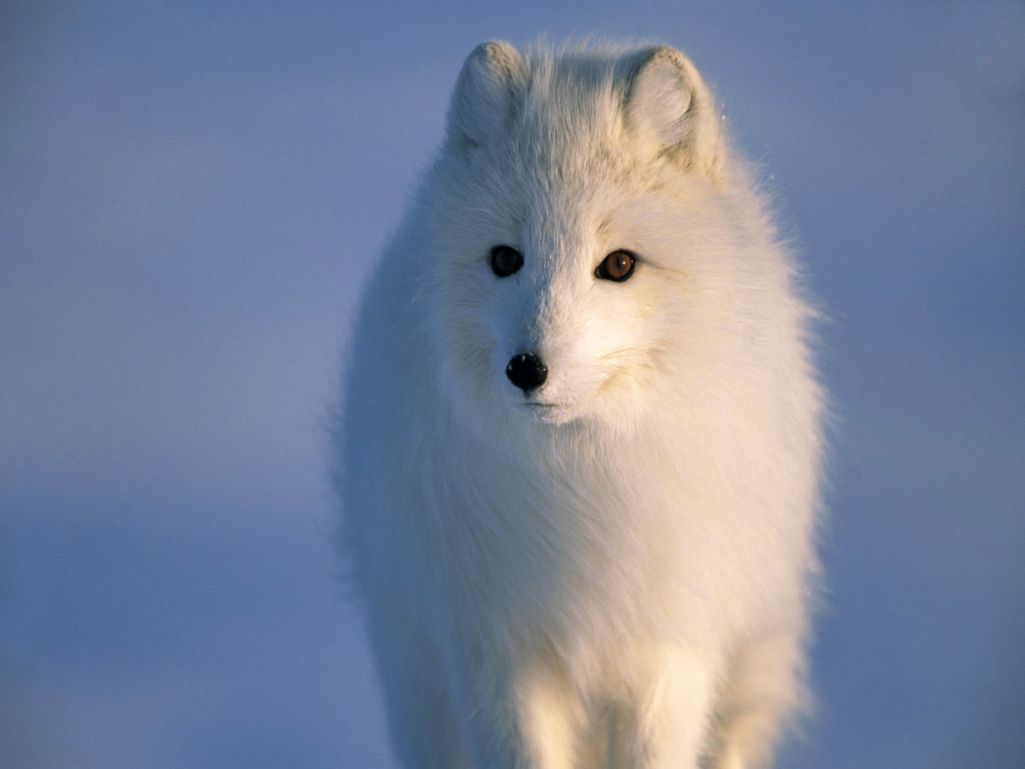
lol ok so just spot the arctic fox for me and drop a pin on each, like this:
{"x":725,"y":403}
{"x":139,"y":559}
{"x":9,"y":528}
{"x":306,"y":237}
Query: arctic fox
{"x":580,"y":447}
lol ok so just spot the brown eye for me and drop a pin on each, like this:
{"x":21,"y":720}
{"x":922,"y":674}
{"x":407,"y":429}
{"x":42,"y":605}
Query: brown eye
{"x":505,"y":260}
{"x":617,"y":266}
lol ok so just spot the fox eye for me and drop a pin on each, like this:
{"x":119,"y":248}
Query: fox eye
{"x":505,"y":260}
{"x":617,"y":266}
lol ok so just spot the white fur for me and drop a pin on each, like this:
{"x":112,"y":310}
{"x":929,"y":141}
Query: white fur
{"x":620,"y":579}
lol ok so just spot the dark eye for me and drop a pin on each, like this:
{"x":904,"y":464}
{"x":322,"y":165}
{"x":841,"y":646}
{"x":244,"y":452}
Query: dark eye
{"x":505,"y":260}
{"x":617,"y":266}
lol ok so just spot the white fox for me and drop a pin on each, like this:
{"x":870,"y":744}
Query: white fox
{"x":580,"y":448}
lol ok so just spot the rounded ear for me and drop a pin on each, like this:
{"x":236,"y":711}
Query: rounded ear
{"x":486,"y":93}
{"x":669,"y":108}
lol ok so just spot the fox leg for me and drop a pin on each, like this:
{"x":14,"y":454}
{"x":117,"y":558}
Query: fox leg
{"x":534,"y":725}
{"x":763,"y":692}
{"x":421,"y":714}
{"x":666,"y":727}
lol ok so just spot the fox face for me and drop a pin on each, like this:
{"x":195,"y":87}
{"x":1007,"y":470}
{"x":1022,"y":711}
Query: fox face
{"x":565,"y":226}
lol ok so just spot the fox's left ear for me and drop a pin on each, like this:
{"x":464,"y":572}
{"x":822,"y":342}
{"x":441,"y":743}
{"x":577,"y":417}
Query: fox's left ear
{"x":669,"y":107}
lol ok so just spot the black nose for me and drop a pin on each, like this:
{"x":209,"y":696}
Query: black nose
{"x":526,"y":371}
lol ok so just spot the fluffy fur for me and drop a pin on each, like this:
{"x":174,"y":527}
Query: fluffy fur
{"x":614,"y":570}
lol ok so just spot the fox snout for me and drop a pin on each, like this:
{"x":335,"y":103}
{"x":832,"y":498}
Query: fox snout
{"x":527,"y":371}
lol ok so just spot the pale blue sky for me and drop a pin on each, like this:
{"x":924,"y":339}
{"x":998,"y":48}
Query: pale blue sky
{"x":190,"y":196}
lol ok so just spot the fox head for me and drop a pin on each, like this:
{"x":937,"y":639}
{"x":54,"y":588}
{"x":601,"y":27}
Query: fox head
{"x":577,"y":231}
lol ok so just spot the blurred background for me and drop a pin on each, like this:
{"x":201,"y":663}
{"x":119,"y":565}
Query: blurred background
{"x":191,"y":195}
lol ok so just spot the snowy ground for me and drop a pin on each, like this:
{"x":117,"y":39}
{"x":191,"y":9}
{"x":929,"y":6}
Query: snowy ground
{"x":190,"y":196}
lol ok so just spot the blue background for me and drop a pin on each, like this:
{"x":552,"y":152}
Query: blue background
{"x":191,"y":195}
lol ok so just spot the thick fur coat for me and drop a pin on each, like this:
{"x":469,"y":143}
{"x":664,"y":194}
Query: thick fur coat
{"x":612,"y":566}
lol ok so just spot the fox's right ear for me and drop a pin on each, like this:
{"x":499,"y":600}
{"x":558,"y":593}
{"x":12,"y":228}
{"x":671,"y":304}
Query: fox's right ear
{"x":486,"y":94}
